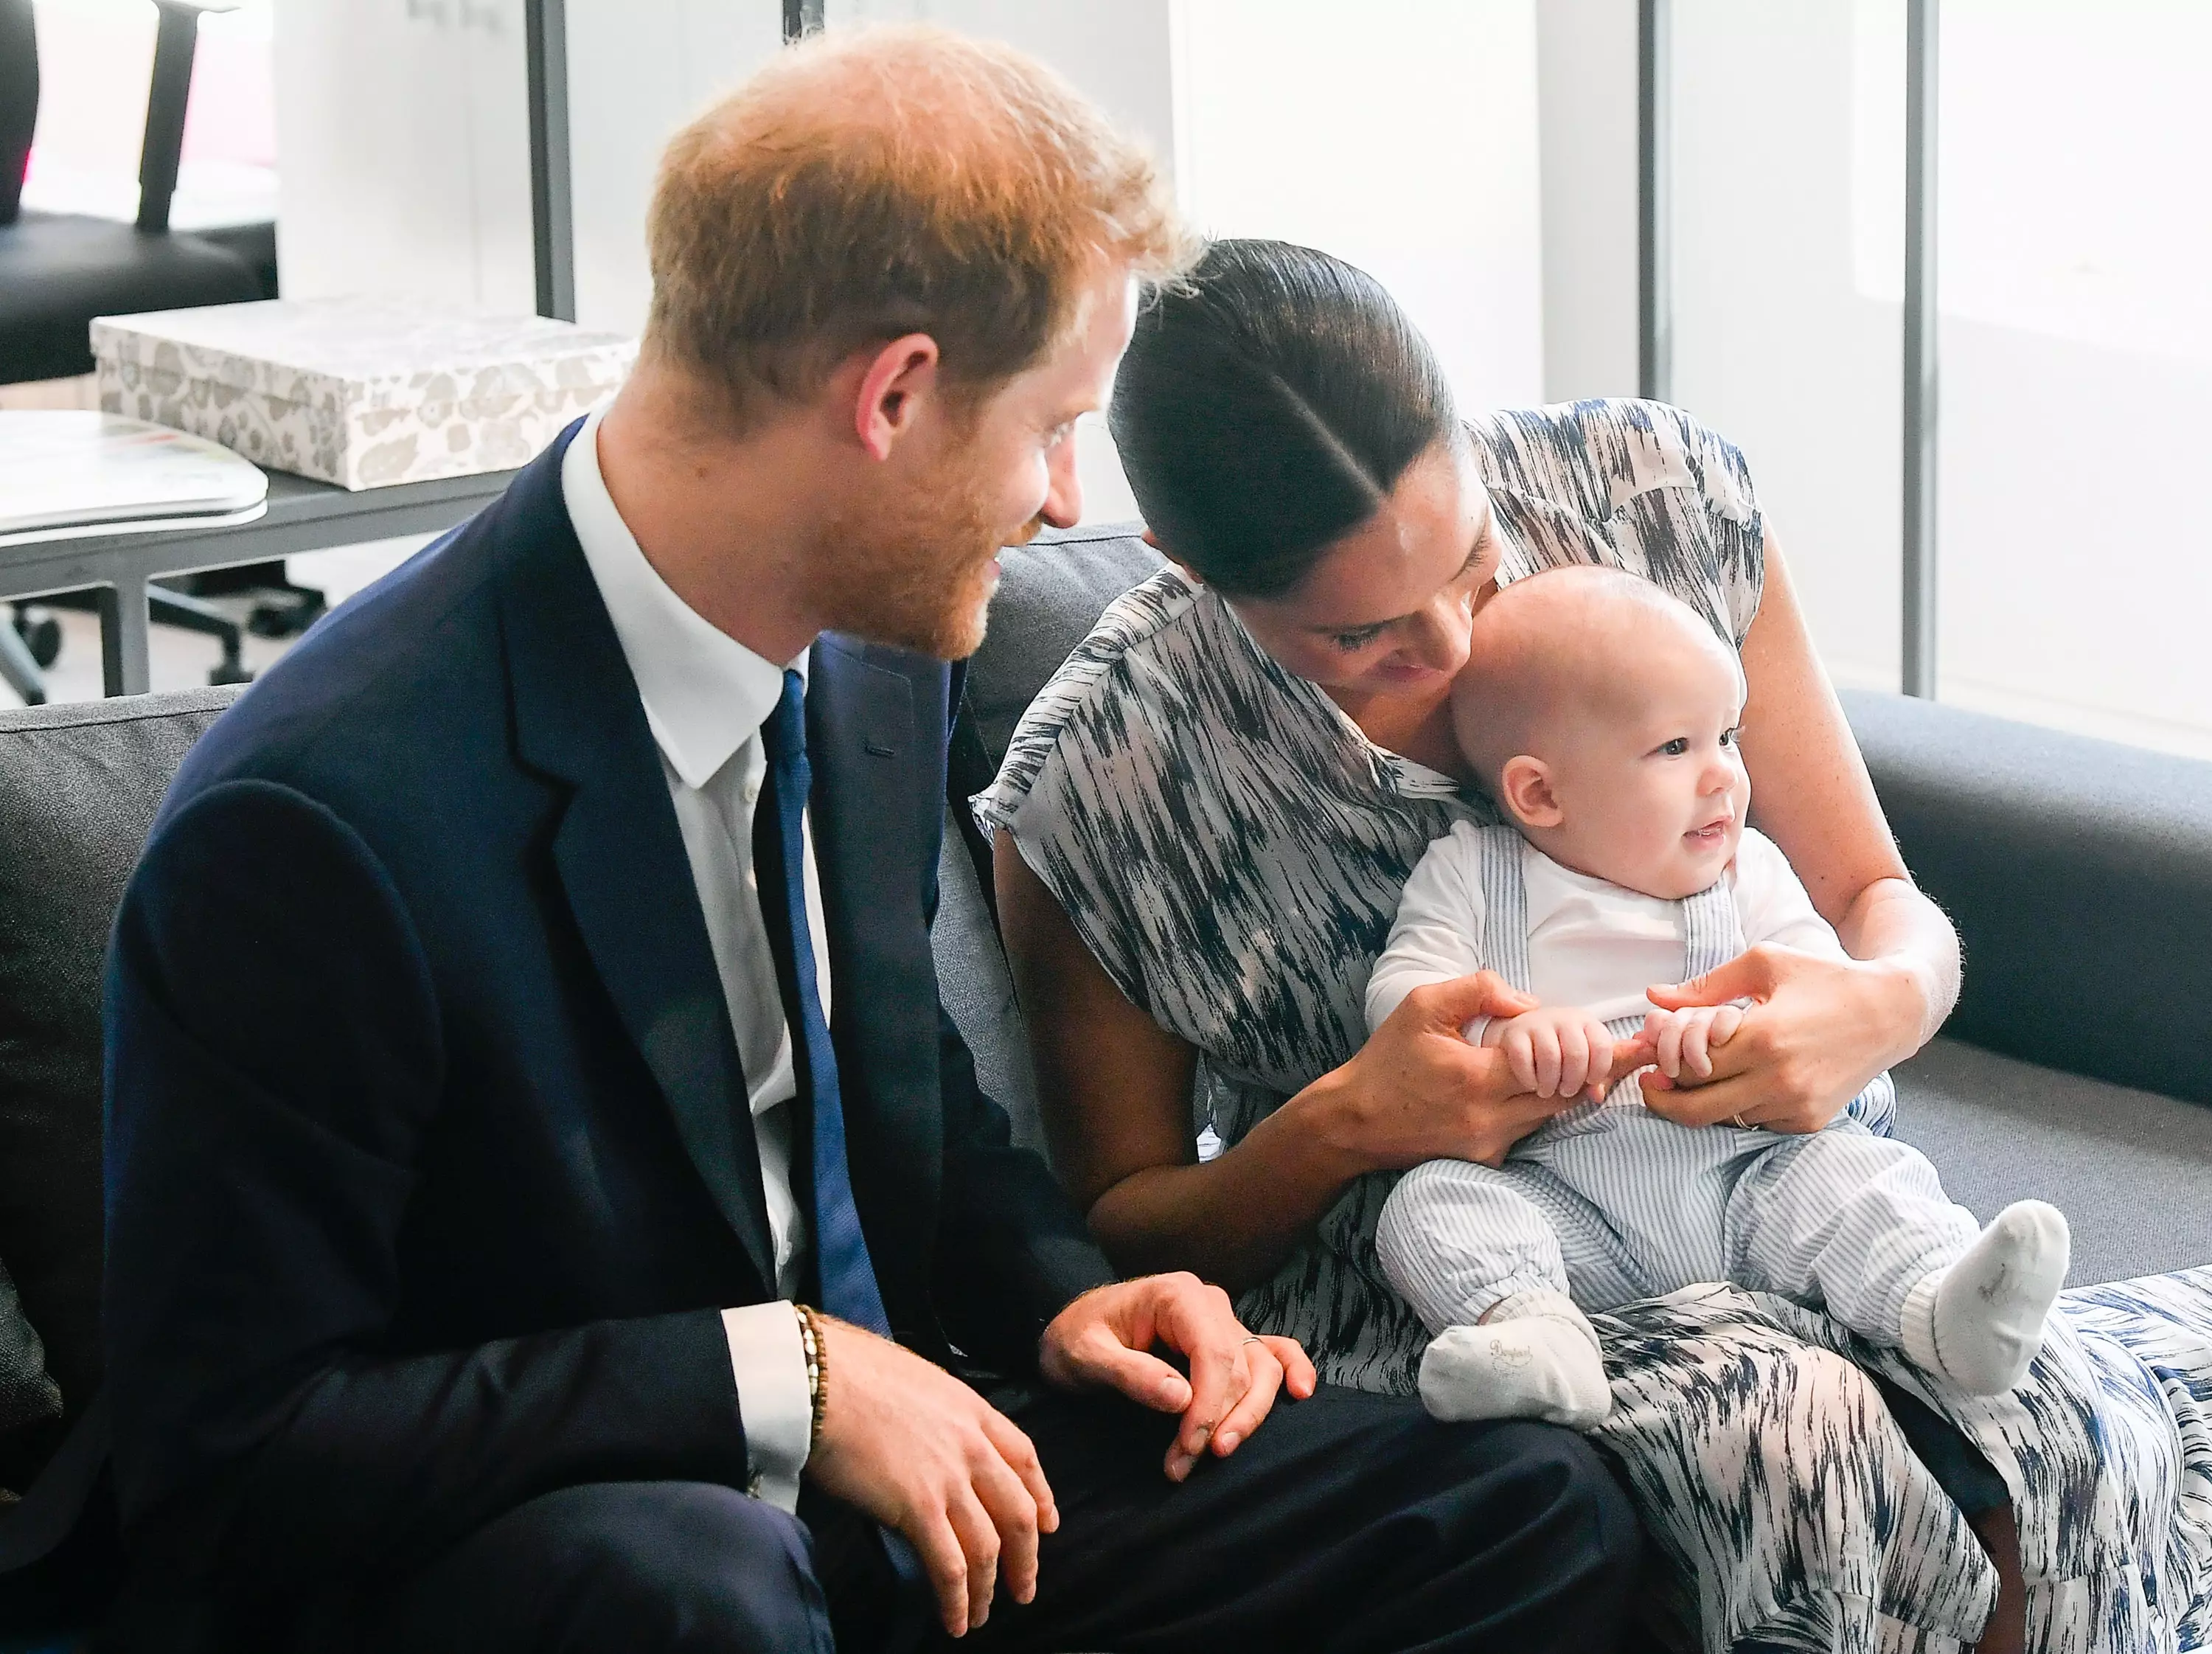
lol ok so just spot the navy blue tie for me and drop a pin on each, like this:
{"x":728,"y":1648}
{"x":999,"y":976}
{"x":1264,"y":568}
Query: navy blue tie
{"x":848,"y":1287}
{"x":848,"y":1277}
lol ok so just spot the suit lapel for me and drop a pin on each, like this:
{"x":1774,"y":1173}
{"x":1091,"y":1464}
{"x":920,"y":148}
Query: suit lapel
{"x":868,"y":762}
{"x":616,"y":849}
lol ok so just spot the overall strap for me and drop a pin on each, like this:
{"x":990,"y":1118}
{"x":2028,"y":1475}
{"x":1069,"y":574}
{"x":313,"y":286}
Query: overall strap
{"x":1505,"y":906}
{"x":1712,"y":930}
{"x":1712,"y":934}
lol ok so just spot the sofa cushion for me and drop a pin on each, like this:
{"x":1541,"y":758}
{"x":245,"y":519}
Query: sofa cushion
{"x":79,"y":785}
{"x":2129,"y":1168}
{"x":1051,"y":593}
{"x":2079,"y":873}
{"x":29,"y":1394}
{"x":979,"y":995}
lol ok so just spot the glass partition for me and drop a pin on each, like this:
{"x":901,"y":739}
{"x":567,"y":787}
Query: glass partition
{"x":2077,"y":363}
{"x":2073,"y":335}
{"x":1787,"y":202}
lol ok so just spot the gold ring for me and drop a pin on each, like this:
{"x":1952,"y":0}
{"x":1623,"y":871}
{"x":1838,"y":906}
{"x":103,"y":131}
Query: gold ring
{"x":1736,"y":1120}
{"x":1254,"y":1338}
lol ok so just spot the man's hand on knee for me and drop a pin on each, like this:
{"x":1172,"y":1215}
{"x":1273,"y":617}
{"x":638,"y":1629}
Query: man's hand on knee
{"x":905,"y":1441}
{"x":1106,"y":1338}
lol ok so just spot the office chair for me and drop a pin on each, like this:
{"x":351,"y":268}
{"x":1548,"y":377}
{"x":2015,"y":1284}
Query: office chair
{"x":21,"y":646}
{"x":58,"y":270}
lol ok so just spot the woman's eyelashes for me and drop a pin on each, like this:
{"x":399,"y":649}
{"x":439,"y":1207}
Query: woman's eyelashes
{"x":1358,"y":639}
{"x":1476,"y":569}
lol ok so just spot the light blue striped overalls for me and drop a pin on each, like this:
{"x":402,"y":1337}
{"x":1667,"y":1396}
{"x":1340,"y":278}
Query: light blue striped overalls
{"x":1609,"y":1202}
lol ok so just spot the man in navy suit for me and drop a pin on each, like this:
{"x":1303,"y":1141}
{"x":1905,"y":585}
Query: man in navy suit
{"x":549,"y":1207}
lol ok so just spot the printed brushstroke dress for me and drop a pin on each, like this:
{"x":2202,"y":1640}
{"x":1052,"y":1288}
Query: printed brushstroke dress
{"x":1231,"y":848}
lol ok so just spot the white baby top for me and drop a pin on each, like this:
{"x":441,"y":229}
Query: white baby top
{"x":1591,"y":944}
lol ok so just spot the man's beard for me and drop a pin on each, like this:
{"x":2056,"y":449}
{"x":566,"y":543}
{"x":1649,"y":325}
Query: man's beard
{"x":913,"y":572}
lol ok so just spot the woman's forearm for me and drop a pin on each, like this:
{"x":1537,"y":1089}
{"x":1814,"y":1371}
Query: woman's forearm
{"x":1817,"y":802}
{"x":1417,"y":1090}
{"x":1892,"y":922}
{"x":1235,"y":1219}
{"x":1116,"y":1088}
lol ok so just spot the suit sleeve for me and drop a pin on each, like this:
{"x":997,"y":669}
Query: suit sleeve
{"x":276,"y":1062}
{"x":1013,"y":1251}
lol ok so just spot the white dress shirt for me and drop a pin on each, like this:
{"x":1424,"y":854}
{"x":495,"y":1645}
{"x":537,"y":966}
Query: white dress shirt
{"x":1591,"y":944}
{"x":706,"y":697}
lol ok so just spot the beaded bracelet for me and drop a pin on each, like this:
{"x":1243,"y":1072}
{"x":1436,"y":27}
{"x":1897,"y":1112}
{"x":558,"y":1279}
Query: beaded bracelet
{"x":818,"y":1368}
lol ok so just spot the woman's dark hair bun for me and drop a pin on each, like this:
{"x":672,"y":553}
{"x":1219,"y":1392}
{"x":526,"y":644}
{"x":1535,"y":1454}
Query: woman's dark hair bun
{"x":1267,"y":404}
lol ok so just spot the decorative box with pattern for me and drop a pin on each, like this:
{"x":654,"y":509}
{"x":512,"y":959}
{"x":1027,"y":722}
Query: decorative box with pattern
{"x":360,"y":393}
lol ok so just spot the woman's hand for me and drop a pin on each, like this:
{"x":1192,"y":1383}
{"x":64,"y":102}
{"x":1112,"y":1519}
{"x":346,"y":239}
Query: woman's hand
{"x":1106,"y":1337}
{"x":1817,"y":1031}
{"x":1418,"y":1092}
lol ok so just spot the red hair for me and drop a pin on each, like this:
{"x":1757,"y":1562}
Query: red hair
{"x":885,"y":181}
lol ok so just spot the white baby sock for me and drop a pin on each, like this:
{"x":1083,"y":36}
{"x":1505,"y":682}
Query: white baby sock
{"x":1980,"y":1321}
{"x":1536,"y":1357}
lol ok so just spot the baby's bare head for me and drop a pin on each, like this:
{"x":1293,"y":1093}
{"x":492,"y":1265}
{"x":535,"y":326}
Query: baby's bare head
{"x":1564,"y":644}
{"x":1584,"y":688}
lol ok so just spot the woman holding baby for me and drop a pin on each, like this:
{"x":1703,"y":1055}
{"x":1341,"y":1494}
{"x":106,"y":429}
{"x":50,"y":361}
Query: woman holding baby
{"x":1204,"y":828}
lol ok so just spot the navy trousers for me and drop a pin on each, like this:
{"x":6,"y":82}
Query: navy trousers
{"x":1347,"y":1523}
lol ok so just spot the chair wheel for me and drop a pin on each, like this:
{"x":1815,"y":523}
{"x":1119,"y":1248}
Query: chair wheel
{"x":230,"y":671}
{"x":42,"y":637}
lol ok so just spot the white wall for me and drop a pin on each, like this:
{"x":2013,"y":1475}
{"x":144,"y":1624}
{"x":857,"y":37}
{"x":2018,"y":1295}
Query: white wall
{"x":1401,"y":135}
{"x":1587,"y":121}
{"x":636,"y":75}
{"x":1115,"y":51}
{"x":401,"y":131}
{"x":2075,"y":370}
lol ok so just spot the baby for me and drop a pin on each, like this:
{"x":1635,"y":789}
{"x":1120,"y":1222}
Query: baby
{"x":1601,"y":715}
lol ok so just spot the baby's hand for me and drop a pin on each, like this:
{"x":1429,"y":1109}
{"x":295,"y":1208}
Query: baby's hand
{"x":1682,"y":1041}
{"x":1554,"y":1052}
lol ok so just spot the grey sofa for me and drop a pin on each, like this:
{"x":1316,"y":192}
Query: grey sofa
{"x":2080,"y":874}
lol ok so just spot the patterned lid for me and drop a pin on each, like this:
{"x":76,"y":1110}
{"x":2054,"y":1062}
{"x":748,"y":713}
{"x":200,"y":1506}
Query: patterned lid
{"x":370,"y":351}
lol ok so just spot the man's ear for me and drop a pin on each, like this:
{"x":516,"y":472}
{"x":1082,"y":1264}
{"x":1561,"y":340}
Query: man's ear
{"x":897,"y":381}
{"x":1525,"y":787}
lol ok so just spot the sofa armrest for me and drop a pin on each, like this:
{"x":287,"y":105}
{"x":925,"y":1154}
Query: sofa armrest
{"x":2079,"y":873}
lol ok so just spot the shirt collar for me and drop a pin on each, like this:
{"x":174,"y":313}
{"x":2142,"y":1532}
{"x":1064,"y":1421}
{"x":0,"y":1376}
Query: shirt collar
{"x":705,"y":693}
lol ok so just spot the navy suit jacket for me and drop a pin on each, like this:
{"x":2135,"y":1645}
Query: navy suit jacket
{"x":430,"y":1164}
